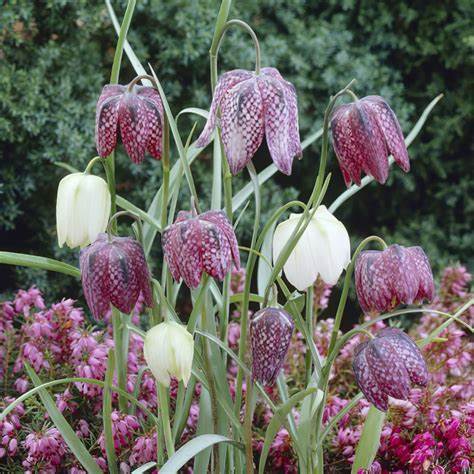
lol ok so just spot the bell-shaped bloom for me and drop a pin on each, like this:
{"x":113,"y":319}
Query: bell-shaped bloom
{"x":82,"y":209}
{"x":386,"y":365}
{"x":253,"y":106}
{"x":270,"y":335}
{"x":323,"y":249}
{"x":365,"y":133}
{"x":397,"y":275}
{"x":114,"y":271}
{"x":200,"y":243}
{"x":138,"y":112}
{"x":168,"y":351}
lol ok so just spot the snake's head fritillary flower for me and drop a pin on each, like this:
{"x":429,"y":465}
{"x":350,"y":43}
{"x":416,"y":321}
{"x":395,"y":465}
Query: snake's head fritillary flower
{"x":253,"y":106}
{"x":397,"y":275}
{"x":114,"y":271}
{"x":386,"y":366}
{"x":168,"y":351}
{"x":82,"y":209}
{"x":270,"y":335}
{"x":323,"y":249}
{"x":138,"y":112}
{"x":365,"y":133}
{"x":198,"y":243}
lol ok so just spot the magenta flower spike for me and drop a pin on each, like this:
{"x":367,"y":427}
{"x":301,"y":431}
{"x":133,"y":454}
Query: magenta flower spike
{"x":270,"y":335}
{"x":114,"y":271}
{"x":138,"y":112}
{"x":253,"y":106}
{"x":365,"y":133}
{"x":200,"y":243}
{"x":387,"y":365}
{"x":396,"y":275}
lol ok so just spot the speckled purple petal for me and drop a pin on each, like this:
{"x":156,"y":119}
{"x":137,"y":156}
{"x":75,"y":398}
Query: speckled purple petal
{"x":391,"y":130}
{"x":226,"y":82}
{"x":426,"y":286}
{"x":216,"y":254}
{"x":107,"y":119}
{"x":270,"y":335}
{"x":242,"y":124}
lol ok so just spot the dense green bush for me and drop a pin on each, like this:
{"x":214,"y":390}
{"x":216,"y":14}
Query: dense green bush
{"x":55,"y":56}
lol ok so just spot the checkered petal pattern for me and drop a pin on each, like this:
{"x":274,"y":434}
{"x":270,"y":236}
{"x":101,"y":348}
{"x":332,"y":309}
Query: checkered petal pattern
{"x":200,"y":243}
{"x":253,"y":106}
{"x":270,"y":335}
{"x":114,"y":272}
{"x":364,"y":134}
{"x":137,"y":113}
{"x":387,"y":365}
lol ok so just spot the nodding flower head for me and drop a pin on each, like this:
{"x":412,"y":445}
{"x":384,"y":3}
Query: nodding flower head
{"x":138,"y":111}
{"x":397,"y":275}
{"x":114,"y":271}
{"x":253,"y":106}
{"x":198,"y":243}
{"x":365,"y":133}
{"x":270,"y":335}
{"x":386,"y":365}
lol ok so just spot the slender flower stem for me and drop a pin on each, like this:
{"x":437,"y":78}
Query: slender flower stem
{"x":351,"y":93}
{"x":309,"y":321}
{"x":120,"y":357}
{"x":92,"y":163}
{"x":248,"y":425}
{"x":165,"y":419}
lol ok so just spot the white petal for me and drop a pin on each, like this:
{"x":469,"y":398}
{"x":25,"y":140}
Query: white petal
{"x":65,"y":206}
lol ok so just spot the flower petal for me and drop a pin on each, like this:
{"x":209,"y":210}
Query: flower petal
{"x":216,"y":254}
{"x":426,"y":287}
{"x":226,"y":82}
{"x":242,"y":124}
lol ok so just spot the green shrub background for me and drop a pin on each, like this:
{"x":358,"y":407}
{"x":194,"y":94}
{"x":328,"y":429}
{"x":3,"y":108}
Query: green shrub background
{"x":56,"y":55}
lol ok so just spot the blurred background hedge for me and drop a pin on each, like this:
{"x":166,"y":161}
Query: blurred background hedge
{"x":55,"y":56}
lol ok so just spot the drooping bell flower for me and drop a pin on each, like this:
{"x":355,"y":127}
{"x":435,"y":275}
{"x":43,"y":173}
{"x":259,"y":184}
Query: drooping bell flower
{"x":198,"y":243}
{"x":387,"y":365}
{"x":138,"y":112}
{"x":323,"y":249}
{"x":365,"y":133}
{"x":82,"y":209}
{"x":253,"y":106}
{"x":168,"y":350}
{"x":114,"y":271}
{"x":270,"y":335}
{"x":397,"y":275}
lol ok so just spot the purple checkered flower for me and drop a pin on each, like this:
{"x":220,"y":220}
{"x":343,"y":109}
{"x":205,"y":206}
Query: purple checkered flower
{"x":114,"y":271}
{"x":396,"y":275}
{"x":138,"y":111}
{"x":270,"y":335}
{"x":365,"y":133}
{"x":200,"y":243}
{"x":387,"y":365}
{"x":252,"y":106}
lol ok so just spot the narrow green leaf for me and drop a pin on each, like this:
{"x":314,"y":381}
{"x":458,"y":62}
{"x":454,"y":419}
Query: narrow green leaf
{"x":193,"y":110}
{"x":192,"y":448}
{"x":33,"y":261}
{"x":277,"y":421}
{"x":107,"y":414}
{"x":204,"y":428}
{"x":144,"y":468}
{"x":369,"y":441}
{"x":264,"y":270}
{"x":68,"y":434}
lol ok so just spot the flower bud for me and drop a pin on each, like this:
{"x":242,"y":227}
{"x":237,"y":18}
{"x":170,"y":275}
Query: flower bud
{"x":168,"y":351}
{"x":270,"y":336}
{"x":385,"y":366}
{"x":323,"y":249}
{"x":82,"y":209}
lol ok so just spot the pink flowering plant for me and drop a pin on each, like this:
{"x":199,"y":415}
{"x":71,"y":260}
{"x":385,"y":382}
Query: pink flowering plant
{"x":245,"y":376}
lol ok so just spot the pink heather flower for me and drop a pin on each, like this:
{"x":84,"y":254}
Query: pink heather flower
{"x":365,"y":133}
{"x":237,"y":281}
{"x":233,"y":335}
{"x":124,"y":428}
{"x":45,"y":449}
{"x":198,"y":243}
{"x":270,"y":335}
{"x":26,"y":300}
{"x":253,"y":105}
{"x":139,"y":113}
{"x":385,"y":366}
{"x":396,"y":275}
{"x":114,"y":271}
{"x":322,"y":292}
{"x":144,"y":450}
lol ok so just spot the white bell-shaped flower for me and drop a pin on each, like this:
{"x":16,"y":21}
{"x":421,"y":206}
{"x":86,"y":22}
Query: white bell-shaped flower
{"x":323,"y":249}
{"x":82,"y":209}
{"x":168,"y":351}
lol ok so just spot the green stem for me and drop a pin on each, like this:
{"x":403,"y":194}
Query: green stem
{"x":165,"y":419}
{"x":119,"y":356}
{"x":248,"y":425}
{"x":309,"y":321}
{"x":92,"y":163}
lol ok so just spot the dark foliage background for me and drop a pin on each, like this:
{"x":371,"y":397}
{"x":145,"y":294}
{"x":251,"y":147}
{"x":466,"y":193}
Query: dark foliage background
{"x":55,"y":55}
